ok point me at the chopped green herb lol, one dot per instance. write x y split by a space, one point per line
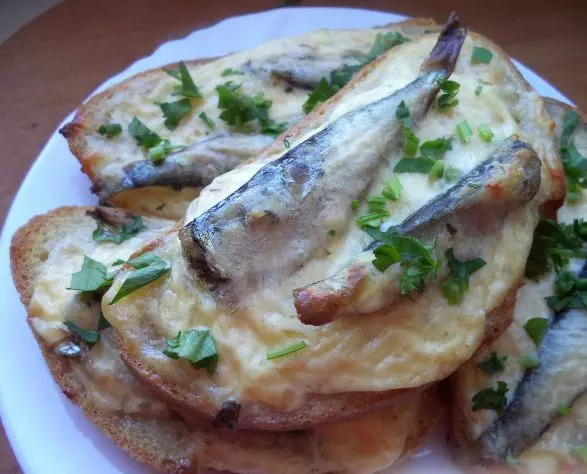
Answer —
142 134
382 44
485 133
448 99
106 232
175 111
563 409
493 364
298 346
420 261
164 148
571 292
437 170
478 89
102 322
435 148
536 329
464 131
92 276
207 120
271 127
529 362
355 204
491 398
411 142
197 346
414 165
580 452
402 113
110 129
481 55
87 335
147 270
392 189
574 164
321 93
457 285
239 108
231 72
118 261
332 232
188 88
376 212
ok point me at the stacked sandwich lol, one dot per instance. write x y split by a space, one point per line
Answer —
297 244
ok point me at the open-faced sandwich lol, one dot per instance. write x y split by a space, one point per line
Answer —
311 236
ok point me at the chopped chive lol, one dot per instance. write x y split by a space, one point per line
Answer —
485 133
435 148
529 362
437 170
297 346
563 409
478 89
372 219
481 55
110 130
411 142
448 100
393 189
231 72
355 204
207 120
464 131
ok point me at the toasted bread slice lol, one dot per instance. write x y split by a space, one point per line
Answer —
551 452
160 436
195 392
111 163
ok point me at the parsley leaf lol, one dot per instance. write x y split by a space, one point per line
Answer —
207 120
197 346
175 111
231 72
295 347
491 399
321 93
571 292
402 113
273 128
87 335
376 212
91 277
574 164
106 232
457 285
493 364
481 55
536 328
142 134
448 99
188 88
411 142
435 148
420 262
382 44
239 108
148 268
414 165
110 129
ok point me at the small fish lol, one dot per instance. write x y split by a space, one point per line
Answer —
456 218
558 381
301 68
195 166
266 228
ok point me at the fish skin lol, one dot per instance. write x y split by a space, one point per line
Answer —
195 166
228 245
508 178
542 390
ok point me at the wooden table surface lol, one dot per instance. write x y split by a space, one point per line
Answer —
53 62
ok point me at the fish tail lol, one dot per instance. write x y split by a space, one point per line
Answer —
443 57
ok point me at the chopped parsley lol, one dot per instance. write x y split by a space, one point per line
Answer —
437 170
93 276
481 55
464 131
355 204
376 212
197 346
295 347
144 136
188 88
273 128
392 189
231 72
491 398
175 111
148 268
536 328
107 232
332 232
563 409
411 142
207 120
110 130
529 362
448 99
402 113
574 164
493 364
457 285
485 133
87 335
435 148
164 148
571 292
414 165
325 88
420 262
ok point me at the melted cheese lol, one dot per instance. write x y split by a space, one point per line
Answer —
409 345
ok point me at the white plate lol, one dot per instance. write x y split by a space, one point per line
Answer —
48 433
